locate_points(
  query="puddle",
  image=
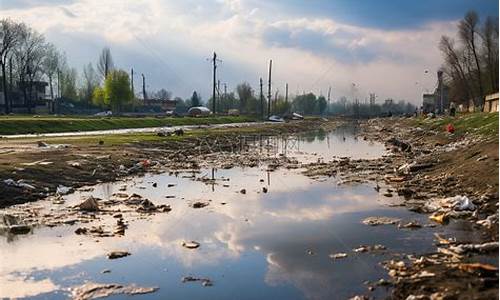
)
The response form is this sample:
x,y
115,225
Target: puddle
x,y
273,244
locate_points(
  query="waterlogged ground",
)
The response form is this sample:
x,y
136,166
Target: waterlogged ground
x,y
256,245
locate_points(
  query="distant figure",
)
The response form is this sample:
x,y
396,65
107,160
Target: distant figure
x,y
453,109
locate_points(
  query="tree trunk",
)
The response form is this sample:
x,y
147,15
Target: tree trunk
x,y
4,85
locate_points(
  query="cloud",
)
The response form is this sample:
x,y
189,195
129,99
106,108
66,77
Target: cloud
x,y
24,4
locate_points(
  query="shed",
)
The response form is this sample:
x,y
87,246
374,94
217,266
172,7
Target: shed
x,y
491,103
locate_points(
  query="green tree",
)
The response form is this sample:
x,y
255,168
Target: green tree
x,y
98,96
321,104
117,92
195,100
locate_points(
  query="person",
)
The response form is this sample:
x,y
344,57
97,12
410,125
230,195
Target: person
x,y
452,109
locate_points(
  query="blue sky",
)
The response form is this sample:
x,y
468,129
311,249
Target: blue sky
x,y
382,46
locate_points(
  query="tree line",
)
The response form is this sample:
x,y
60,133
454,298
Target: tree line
x,y
471,62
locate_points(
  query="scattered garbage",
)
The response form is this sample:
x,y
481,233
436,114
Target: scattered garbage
x,y
450,128
338,255
118,254
401,145
199,204
20,184
191,245
376,247
275,118
204,281
14,225
92,290
89,204
63,190
374,221
485,247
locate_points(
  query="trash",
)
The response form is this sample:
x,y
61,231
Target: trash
x,y
275,118
464,248
411,224
363,248
489,221
199,204
338,255
472,267
358,297
462,203
243,191
14,225
482,158
90,204
374,221
388,195
441,218
170,184
403,146
190,245
20,184
117,254
450,128
105,271
264,189
204,281
63,190
100,290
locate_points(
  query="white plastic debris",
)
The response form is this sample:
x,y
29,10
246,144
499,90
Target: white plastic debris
x,y
20,183
63,190
462,203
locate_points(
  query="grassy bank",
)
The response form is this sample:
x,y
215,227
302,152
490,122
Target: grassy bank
x,y
485,124
49,124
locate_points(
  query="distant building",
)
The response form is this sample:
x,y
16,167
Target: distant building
x,y
36,91
428,103
164,104
491,103
432,102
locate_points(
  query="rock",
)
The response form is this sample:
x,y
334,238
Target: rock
x,y
117,254
204,281
81,230
105,271
100,290
63,190
19,229
374,221
243,191
264,189
90,204
155,184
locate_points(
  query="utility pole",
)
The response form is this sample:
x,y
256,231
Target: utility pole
x,y
269,90
132,81
261,100
214,61
144,95
218,95
225,93
286,93
59,94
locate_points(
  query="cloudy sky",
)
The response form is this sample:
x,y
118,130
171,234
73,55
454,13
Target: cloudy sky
x,y
381,46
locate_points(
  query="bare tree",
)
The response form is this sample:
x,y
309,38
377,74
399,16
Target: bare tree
x,y
489,35
467,31
10,35
105,64
454,64
163,94
51,65
90,82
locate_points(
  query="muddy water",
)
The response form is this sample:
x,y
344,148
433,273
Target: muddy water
x,y
253,246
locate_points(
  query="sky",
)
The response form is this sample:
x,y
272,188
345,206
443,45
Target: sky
x,y
354,47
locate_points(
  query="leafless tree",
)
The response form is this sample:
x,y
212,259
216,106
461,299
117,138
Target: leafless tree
x,y
105,64
51,64
489,35
467,32
10,36
90,81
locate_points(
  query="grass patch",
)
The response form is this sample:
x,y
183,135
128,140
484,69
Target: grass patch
x,y
485,124
50,124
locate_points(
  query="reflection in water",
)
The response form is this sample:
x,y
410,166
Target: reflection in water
x,y
257,245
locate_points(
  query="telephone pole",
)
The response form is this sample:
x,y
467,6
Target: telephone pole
x,y
261,100
144,95
225,94
214,61
218,95
286,93
269,90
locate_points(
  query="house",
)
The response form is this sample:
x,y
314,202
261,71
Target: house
x,y
428,103
164,105
491,103
36,91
